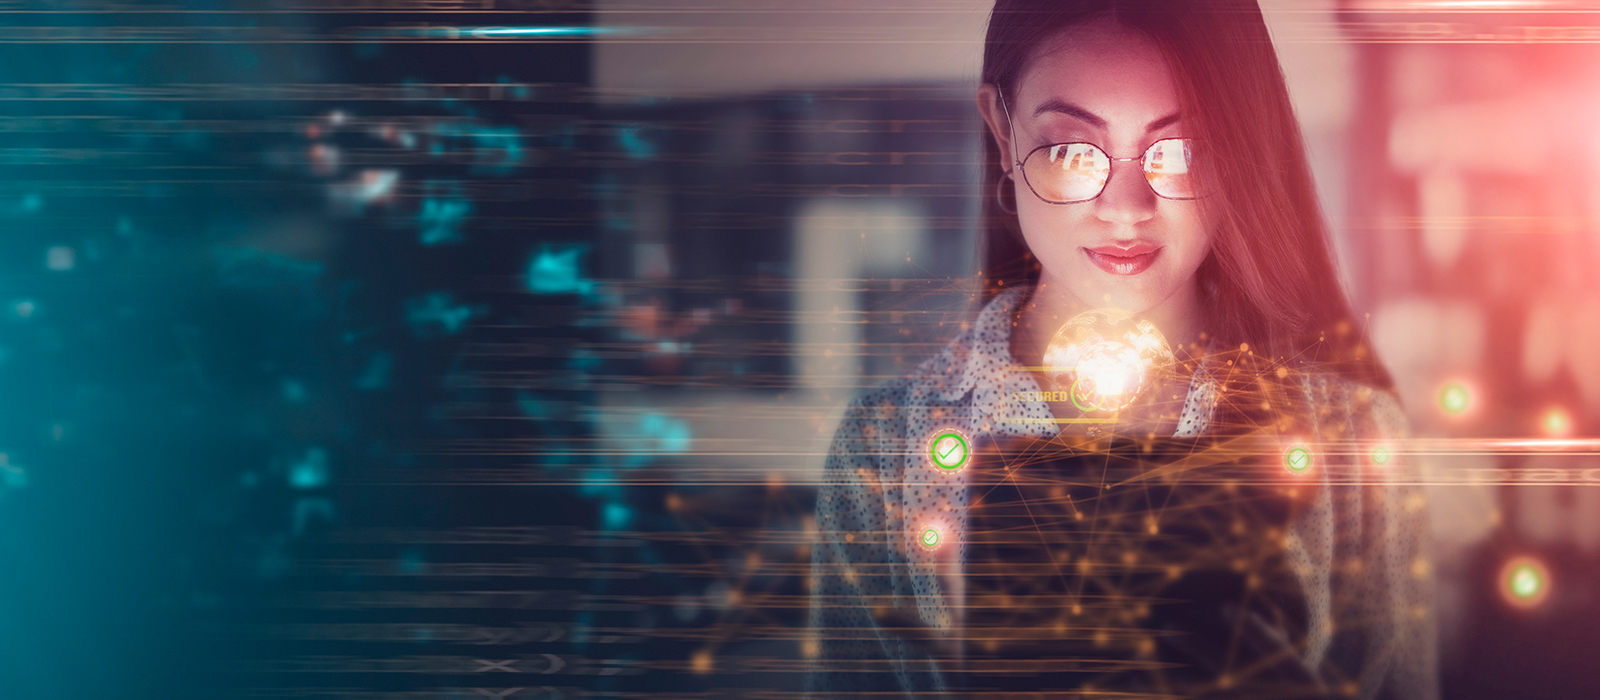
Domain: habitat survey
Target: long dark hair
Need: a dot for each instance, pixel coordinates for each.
(1269, 280)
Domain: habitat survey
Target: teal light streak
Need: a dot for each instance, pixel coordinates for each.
(537, 31)
(515, 32)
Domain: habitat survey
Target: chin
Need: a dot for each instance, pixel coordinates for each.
(1132, 301)
(1134, 306)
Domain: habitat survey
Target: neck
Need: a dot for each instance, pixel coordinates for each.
(1179, 317)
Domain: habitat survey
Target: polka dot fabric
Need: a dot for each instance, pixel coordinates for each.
(882, 603)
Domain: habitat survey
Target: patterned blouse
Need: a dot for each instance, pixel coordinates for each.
(1358, 553)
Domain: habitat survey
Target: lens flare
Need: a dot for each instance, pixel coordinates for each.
(1104, 357)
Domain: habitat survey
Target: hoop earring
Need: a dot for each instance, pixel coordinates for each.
(1000, 194)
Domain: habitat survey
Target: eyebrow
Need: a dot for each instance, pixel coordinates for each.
(1062, 107)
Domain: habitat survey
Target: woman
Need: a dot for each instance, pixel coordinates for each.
(1192, 207)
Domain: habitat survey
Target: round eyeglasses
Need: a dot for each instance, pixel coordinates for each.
(1066, 173)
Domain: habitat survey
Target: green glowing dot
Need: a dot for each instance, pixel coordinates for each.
(1454, 398)
(1525, 581)
(1380, 456)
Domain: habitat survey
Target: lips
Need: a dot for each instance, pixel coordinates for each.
(1124, 261)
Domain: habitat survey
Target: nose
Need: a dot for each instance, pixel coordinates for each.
(1127, 199)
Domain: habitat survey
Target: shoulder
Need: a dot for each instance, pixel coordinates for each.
(871, 411)
(882, 422)
(870, 428)
(1351, 408)
(889, 409)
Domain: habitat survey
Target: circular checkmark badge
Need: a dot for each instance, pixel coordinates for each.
(949, 450)
(1380, 455)
(1298, 459)
(929, 538)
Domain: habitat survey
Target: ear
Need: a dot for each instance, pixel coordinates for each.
(995, 117)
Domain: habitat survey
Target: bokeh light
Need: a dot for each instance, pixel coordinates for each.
(1555, 422)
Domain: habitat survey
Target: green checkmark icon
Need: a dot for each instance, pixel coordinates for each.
(949, 450)
(950, 447)
(930, 537)
(1298, 458)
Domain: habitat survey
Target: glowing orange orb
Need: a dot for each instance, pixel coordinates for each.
(1104, 358)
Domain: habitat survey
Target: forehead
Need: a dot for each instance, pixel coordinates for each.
(1104, 67)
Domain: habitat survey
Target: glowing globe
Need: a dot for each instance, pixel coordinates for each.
(1104, 357)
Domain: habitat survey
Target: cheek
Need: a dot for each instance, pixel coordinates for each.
(1190, 236)
(1053, 233)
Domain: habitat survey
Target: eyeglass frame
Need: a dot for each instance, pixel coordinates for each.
(1019, 167)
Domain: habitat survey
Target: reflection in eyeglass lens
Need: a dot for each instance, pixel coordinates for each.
(1073, 171)
(1167, 167)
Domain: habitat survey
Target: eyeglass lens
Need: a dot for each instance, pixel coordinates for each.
(1075, 172)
